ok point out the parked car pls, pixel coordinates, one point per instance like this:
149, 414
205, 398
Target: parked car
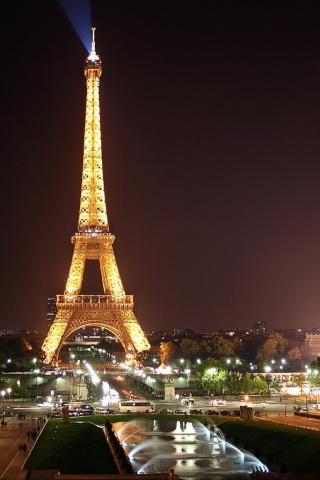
211, 412
187, 401
257, 413
226, 413
165, 411
87, 409
195, 411
56, 414
74, 413
180, 411
219, 402
104, 411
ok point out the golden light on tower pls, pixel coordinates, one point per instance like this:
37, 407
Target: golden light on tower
114, 309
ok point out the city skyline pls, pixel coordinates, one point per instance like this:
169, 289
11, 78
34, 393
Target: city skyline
211, 147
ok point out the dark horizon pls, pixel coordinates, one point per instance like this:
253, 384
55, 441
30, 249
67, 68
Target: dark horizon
211, 145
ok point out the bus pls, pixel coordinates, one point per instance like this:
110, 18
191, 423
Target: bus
132, 406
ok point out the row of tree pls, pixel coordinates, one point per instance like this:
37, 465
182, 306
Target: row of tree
273, 347
215, 378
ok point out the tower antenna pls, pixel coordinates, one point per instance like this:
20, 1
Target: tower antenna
93, 43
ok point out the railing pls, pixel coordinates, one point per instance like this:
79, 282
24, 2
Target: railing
95, 301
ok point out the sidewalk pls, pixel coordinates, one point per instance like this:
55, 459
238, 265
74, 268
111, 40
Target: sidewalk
293, 421
11, 436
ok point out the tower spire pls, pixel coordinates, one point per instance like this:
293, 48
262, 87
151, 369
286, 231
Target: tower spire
93, 43
93, 211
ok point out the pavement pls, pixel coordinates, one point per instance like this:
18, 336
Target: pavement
293, 421
11, 457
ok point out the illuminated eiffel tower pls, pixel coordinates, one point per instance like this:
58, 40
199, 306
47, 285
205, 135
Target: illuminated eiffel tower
114, 309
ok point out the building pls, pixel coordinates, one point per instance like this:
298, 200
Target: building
51, 311
312, 345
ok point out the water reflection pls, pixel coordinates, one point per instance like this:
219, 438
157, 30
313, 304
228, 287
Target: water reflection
188, 447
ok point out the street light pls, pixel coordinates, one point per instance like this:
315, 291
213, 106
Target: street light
268, 369
3, 394
9, 390
246, 398
36, 371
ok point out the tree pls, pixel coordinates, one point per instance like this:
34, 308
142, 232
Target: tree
299, 380
294, 353
222, 347
213, 377
205, 347
272, 347
315, 378
315, 364
189, 347
3, 382
234, 383
246, 383
166, 351
268, 349
259, 385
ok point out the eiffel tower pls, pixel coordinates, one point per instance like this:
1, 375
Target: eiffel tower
93, 241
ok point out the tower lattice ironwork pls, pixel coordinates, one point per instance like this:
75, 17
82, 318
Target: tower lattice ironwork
93, 241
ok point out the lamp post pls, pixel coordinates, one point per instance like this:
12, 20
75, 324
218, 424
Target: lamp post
3, 394
9, 390
246, 398
268, 369
36, 371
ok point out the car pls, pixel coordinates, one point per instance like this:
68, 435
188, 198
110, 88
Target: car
225, 413
87, 408
211, 412
44, 404
195, 411
187, 401
257, 413
165, 411
73, 413
180, 411
56, 414
104, 411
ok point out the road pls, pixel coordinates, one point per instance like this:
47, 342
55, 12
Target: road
264, 407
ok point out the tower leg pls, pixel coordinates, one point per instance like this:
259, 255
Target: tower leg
135, 332
75, 276
111, 280
55, 335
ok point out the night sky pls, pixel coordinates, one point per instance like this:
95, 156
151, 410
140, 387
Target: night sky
211, 148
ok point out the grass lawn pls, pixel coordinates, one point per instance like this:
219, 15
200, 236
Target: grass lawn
296, 450
72, 448
101, 419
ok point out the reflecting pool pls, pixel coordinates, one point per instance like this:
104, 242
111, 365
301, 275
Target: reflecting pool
191, 449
